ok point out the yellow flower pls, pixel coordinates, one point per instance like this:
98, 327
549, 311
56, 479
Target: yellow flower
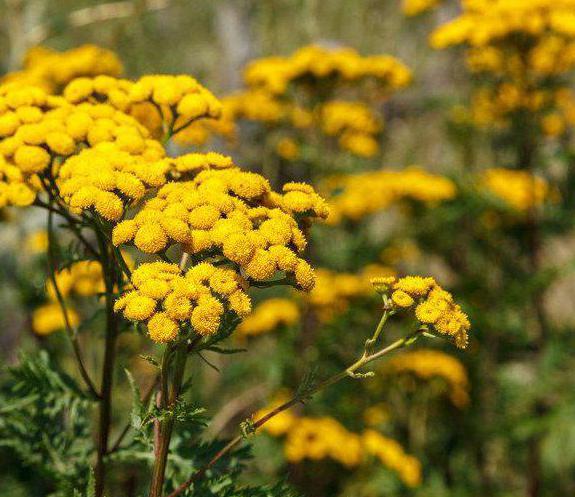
270, 315
49, 318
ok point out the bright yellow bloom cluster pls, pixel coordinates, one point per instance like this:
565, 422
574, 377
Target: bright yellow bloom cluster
392, 455
520, 190
167, 299
51, 70
39, 131
268, 316
525, 47
429, 364
107, 177
233, 214
325, 438
333, 291
354, 123
434, 306
417, 7
484, 22
49, 318
163, 103
83, 278
359, 195
274, 74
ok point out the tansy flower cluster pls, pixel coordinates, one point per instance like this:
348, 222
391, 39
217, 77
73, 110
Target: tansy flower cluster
52, 70
520, 190
430, 364
359, 195
355, 125
281, 96
165, 104
49, 318
268, 316
167, 299
106, 178
81, 279
335, 291
317, 438
313, 62
433, 306
233, 214
39, 131
525, 48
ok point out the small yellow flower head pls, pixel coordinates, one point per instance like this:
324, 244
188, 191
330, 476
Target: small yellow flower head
381, 284
402, 299
162, 329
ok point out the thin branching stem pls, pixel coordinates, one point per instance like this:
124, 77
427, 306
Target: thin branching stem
71, 332
352, 372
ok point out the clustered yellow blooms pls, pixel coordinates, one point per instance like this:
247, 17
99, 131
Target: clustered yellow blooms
166, 298
520, 190
233, 214
525, 47
269, 99
334, 291
81, 279
429, 364
355, 125
49, 318
359, 195
268, 316
51, 70
165, 104
39, 132
392, 455
434, 307
274, 74
417, 7
317, 438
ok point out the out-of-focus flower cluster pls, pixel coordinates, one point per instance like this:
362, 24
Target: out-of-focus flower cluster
317, 438
300, 92
520, 190
270, 315
359, 195
433, 306
429, 364
52, 70
525, 48
81, 279
335, 291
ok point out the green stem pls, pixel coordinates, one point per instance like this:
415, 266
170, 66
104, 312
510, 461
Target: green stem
168, 401
71, 332
105, 414
351, 371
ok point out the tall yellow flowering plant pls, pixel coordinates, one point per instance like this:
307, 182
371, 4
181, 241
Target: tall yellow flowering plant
95, 157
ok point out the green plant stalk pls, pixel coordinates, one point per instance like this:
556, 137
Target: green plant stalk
70, 331
168, 401
105, 411
351, 371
